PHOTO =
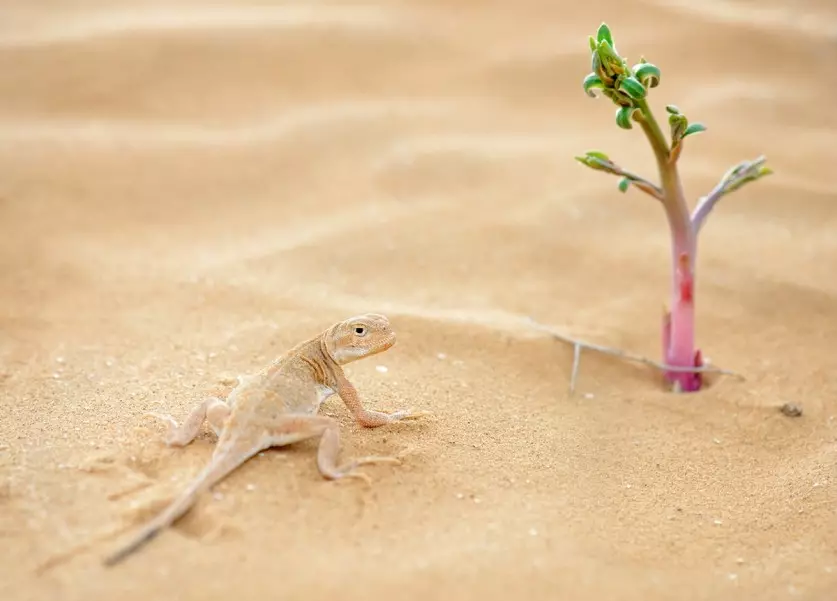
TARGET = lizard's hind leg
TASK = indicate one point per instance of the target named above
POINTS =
(328, 429)
(212, 410)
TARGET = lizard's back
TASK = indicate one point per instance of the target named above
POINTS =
(295, 383)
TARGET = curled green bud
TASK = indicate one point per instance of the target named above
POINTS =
(604, 34)
(623, 117)
(648, 74)
(618, 97)
(611, 63)
(633, 88)
(743, 173)
(694, 128)
(592, 82)
(624, 183)
(678, 124)
(598, 69)
(672, 109)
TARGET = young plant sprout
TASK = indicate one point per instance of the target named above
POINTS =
(628, 87)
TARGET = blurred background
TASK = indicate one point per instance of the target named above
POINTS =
(187, 188)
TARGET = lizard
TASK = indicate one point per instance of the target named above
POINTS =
(276, 407)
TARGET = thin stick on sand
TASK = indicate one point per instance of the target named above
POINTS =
(579, 345)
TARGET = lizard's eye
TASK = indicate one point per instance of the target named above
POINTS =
(360, 330)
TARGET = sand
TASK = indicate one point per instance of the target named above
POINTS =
(189, 188)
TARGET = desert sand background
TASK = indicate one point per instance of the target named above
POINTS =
(188, 188)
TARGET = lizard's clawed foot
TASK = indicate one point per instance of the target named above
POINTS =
(171, 437)
(350, 471)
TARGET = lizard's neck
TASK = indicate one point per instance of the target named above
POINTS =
(325, 344)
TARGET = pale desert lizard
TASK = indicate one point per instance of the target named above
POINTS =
(278, 406)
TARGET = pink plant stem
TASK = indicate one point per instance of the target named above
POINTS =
(679, 347)
(678, 326)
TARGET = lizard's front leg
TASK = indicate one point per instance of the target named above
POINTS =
(213, 410)
(370, 418)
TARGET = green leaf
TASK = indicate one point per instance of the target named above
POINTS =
(593, 163)
(592, 41)
(694, 128)
(623, 117)
(633, 88)
(624, 183)
(597, 154)
(604, 34)
(592, 82)
(648, 74)
(672, 109)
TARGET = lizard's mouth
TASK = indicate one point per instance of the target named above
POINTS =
(389, 342)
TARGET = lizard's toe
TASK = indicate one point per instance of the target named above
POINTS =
(409, 414)
(168, 419)
(376, 459)
(352, 474)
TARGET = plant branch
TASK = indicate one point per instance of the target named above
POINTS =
(743, 173)
(579, 345)
(599, 162)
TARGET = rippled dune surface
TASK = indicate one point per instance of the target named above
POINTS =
(188, 188)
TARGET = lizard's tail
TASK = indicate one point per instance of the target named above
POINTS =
(219, 467)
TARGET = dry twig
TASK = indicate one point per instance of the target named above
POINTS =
(579, 345)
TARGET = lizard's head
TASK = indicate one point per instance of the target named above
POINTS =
(359, 337)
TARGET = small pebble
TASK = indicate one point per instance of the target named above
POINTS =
(251, 487)
(718, 522)
(459, 495)
(733, 576)
(442, 356)
(477, 500)
(533, 532)
(589, 395)
(56, 375)
(382, 368)
(791, 410)
(59, 359)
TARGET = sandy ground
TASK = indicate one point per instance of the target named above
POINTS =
(187, 189)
